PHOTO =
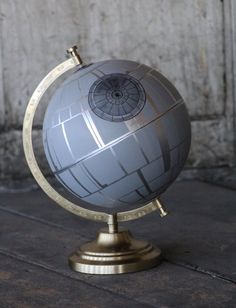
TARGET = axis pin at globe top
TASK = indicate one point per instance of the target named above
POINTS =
(72, 51)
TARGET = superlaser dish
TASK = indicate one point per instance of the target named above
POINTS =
(116, 134)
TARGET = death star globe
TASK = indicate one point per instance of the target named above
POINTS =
(116, 134)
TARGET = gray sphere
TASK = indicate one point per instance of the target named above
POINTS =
(116, 133)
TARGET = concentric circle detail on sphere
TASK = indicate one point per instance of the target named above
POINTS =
(116, 97)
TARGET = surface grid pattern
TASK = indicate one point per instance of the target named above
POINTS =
(129, 160)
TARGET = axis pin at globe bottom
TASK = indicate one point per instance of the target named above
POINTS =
(114, 251)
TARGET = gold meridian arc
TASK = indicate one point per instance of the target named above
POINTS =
(34, 101)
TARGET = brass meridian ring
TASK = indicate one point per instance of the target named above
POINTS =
(34, 101)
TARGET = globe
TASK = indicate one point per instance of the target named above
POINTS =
(116, 133)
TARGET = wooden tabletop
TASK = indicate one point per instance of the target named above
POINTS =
(197, 238)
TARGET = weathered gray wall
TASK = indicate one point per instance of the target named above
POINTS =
(191, 42)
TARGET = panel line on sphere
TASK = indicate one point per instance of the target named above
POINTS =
(66, 140)
(140, 147)
(92, 177)
(111, 143)
(141, 176)
(118, 161)
(93, 130)
(165, 148)
(78, 181)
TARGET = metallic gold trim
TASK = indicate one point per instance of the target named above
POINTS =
(139, 212)
(114, 253)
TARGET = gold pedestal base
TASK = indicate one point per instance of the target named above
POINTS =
(114, 253)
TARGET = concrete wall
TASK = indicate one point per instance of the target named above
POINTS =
(191, 42)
